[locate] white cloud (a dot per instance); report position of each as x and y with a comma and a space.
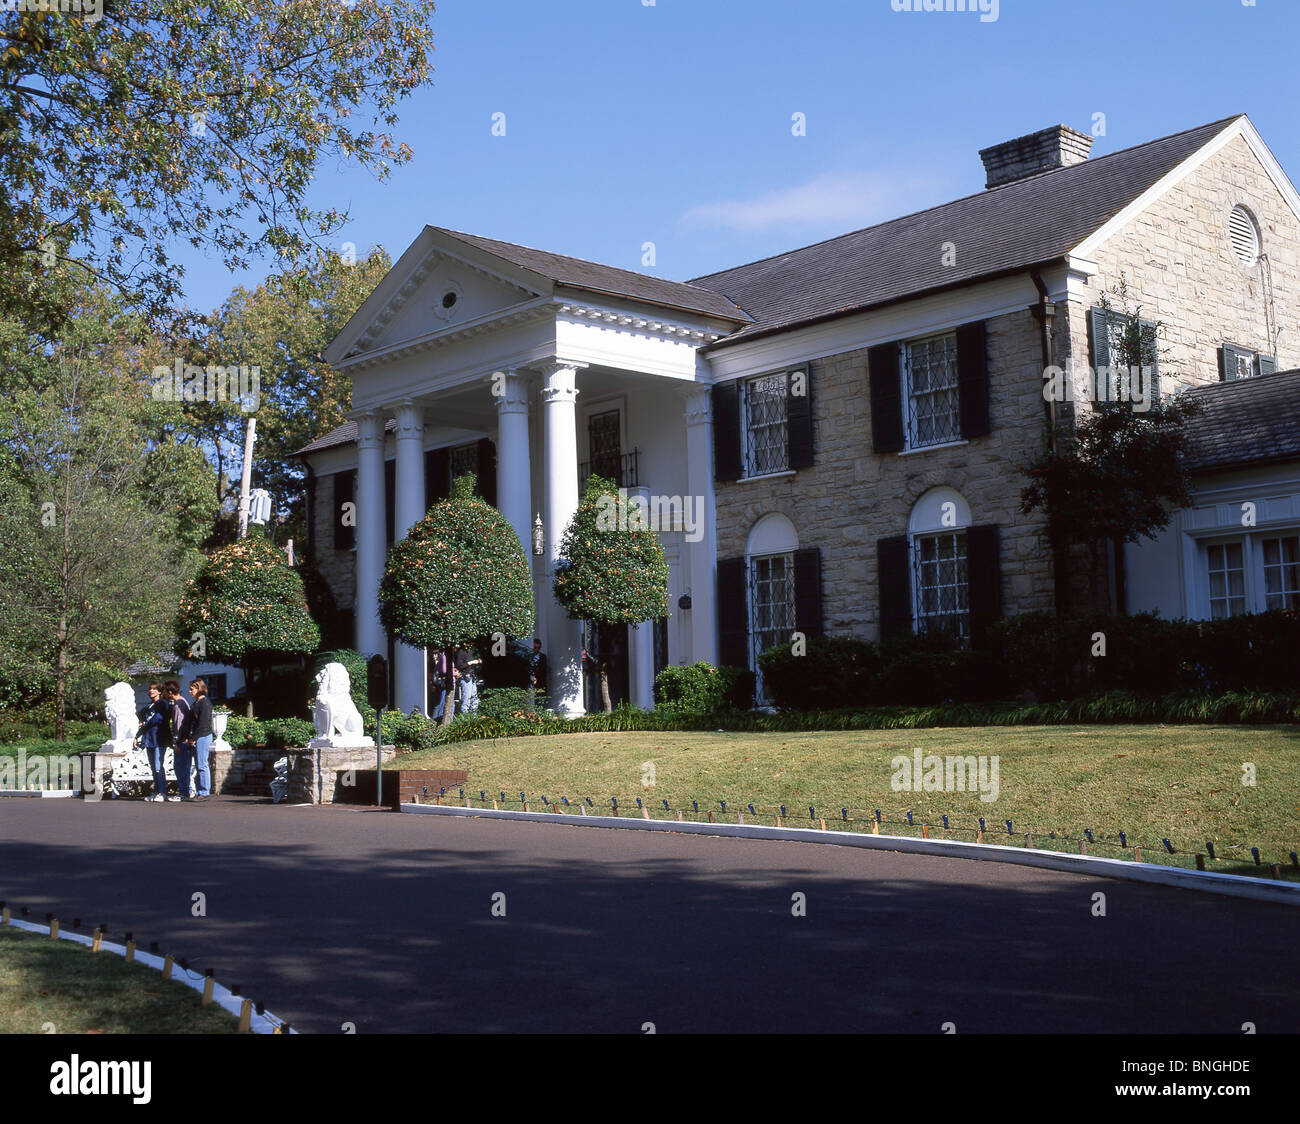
840, 199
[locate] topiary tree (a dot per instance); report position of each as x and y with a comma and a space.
246, 606
611, 568
458, 577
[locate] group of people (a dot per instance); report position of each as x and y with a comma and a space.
184, 726
454, 676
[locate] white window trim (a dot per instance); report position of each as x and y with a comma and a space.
767, 476
1252, 560
905, 383
932, 448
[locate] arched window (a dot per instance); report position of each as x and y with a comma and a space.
940, 578
770, 552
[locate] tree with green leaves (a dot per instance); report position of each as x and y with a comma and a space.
1120, 473
94, 553
129, 126
282, 327
611, 569
458, 577
246, 606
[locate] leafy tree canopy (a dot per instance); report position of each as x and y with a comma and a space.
612, 567
137, 123
459, 576
247, 603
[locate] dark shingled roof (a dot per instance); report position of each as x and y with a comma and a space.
575, 273
1018, 225
1246, 421
345, 434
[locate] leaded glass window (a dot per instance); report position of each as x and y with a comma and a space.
942, 590
933, 393
766, 426
1227, 573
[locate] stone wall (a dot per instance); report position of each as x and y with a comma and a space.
337, 567
851, 497
316, 776
1178, 264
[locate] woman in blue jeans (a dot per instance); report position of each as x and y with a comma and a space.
155, 737
200, 737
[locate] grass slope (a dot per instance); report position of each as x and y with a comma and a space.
1179, 782
44, 981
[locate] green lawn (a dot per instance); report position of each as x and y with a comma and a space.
1151, 782
56, 983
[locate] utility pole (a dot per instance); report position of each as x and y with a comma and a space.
246, 477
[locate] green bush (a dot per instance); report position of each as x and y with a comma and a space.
832, 671
290, 732
933, 668
701, 688
33, 724
1146, 654
241, 731
503, 702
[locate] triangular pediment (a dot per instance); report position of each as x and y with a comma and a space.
435, 286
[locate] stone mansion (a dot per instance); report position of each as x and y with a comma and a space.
851, 417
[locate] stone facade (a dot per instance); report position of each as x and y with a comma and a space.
1178, 265
337, 567
851, 496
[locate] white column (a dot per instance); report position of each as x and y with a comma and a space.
371, 532
641, 671
564, 636
701, 554
514, 466
409, 673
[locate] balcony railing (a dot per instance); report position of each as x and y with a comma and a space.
621, 468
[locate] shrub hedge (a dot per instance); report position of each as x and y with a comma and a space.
701, 688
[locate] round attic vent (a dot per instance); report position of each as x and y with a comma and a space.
1244, 236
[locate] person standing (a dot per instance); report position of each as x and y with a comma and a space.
463, 664
182, 747
201, 737
536, 674
438, 685
155, 737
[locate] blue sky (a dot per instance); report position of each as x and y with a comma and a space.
628, 122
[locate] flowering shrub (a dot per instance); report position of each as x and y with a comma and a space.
458, 576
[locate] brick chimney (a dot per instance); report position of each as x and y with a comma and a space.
1057, 147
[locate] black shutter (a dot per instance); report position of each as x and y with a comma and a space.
1150, 358
894, 586
345, 535
390, 499
437, 475
487, 470
973, 379
1267, 364
726, 432
310, 482
733, 612
886, 398
1099, 324
798, 416
984, 580
808, 591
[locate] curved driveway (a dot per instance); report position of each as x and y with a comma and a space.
336, 915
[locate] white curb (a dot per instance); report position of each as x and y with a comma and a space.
221, 995
1231, 885
46, 793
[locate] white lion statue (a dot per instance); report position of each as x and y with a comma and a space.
119, 711
337, 720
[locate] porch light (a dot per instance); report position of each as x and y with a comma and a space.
539, 536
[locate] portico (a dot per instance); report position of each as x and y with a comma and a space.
468, 353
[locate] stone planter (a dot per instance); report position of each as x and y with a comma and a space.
219, 720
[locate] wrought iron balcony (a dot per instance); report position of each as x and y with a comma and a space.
621, 468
